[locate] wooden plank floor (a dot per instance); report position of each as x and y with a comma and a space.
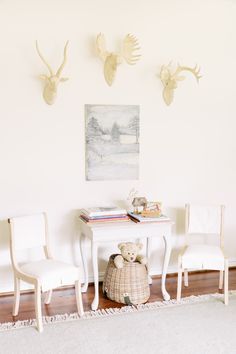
63, 301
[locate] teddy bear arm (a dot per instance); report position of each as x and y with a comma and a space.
119, 261
141, 259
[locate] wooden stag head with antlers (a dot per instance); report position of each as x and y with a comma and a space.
170, 80
52, 80
112, 60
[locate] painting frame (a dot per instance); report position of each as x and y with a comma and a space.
112, 142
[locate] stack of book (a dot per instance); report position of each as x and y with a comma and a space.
143, 219
104, 214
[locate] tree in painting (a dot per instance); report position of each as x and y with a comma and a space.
134, 125
93, 128
115, 133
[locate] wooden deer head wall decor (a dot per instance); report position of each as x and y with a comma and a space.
170, 80
112, 60
52, 80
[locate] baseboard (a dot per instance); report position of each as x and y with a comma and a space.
232, 262
154, 272
158, 271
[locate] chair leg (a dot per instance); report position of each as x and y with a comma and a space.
38, 309
221, 279
48, 297
179, 285
16, 296
78, 296
226, 283
185, 277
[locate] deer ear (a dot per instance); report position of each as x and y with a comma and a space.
43, 77
121, 245
140, 246
165, 74
63, 79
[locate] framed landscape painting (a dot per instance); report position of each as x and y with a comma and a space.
112, 142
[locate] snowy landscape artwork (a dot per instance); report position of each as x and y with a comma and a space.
112, 142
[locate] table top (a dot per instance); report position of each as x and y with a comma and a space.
126, 229
128, 223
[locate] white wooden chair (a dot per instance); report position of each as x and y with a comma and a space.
203, 221
45, 274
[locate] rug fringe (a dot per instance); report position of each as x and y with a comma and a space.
112, 311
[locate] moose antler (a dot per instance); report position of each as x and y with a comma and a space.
130, 45
112, 60
170, 80
52, 81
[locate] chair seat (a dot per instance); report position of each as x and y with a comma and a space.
51, 273
203, 257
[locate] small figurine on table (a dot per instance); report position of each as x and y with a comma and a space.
139, 204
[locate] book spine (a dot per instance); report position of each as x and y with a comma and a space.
133, 219
93, 222
100, 220
104, 213
106, 221
105, 216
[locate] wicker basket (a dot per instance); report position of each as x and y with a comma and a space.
128, 285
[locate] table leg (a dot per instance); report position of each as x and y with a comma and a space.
85, 265
167, 240
148, 241
95, 302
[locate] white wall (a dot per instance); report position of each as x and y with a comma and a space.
187, 149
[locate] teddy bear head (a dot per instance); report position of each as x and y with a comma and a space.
130, 250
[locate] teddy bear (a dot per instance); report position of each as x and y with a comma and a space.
129, 253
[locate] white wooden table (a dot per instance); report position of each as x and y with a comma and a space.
123, 231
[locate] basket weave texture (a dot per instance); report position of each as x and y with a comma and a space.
130, 281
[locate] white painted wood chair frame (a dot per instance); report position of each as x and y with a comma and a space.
223, 277
20, 275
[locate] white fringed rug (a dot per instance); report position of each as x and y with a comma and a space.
201, 324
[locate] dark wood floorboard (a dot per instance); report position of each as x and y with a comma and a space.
63, 300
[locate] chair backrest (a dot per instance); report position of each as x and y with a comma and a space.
28, 231
207, 220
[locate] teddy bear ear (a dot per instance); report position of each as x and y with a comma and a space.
121, 245
140, 246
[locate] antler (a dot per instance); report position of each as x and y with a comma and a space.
48, 66
170, 81
195, 71
52, 81
112, 60
130, 45
59, 71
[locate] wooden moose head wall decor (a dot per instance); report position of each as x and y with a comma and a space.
170, 80
52, 80
112, 60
